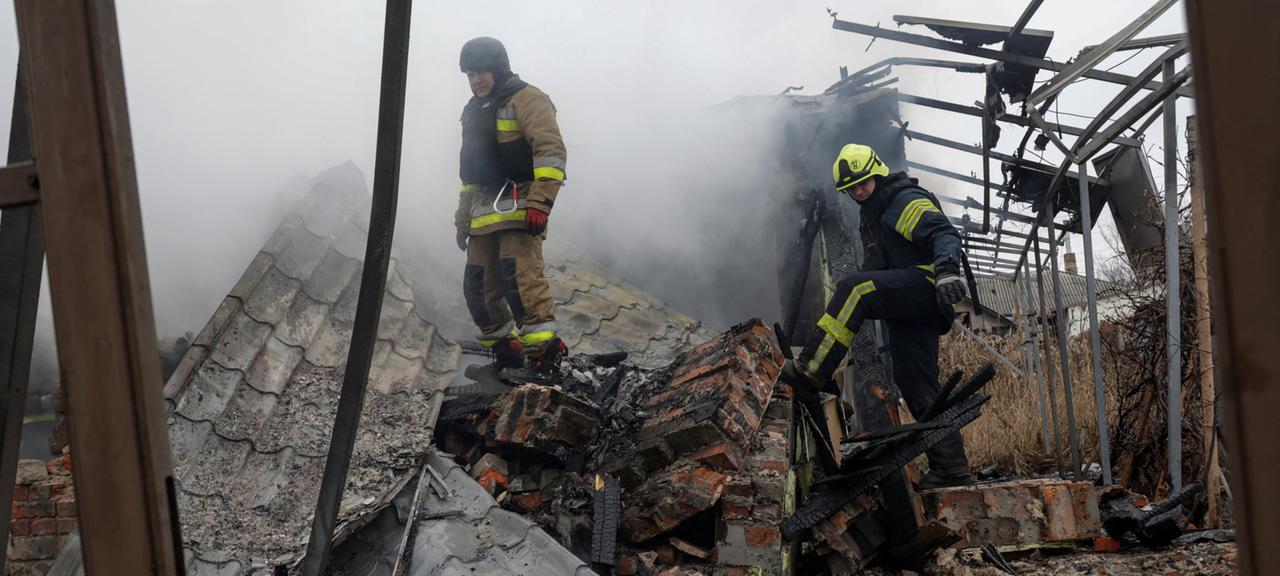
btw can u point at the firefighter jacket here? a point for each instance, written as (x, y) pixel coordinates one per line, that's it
(903, 227)
(512, 158)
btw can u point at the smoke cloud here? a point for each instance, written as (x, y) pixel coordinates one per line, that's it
(236, 104)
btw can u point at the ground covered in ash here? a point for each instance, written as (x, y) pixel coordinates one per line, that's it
(1206, 559)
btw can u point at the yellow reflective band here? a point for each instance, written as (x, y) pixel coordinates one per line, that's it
(549, 172)
(854, 297)
(831, 326)
(490, 219)
(491, 342)
(925, 267)
(846, 312)
(911, 228)
(505, 125)
(910, 215)
(469, 188)
(535, 338)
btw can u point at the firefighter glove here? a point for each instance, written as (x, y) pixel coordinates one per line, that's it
(794, 375)
(951, 289)
(463, 237)
(536, 220)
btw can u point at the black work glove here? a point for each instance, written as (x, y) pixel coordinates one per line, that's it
(794, 375)
(463, 237)
(951, 288)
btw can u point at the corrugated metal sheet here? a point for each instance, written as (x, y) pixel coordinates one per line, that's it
(1004, 298)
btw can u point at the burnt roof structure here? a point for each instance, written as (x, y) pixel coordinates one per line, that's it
(253, 401)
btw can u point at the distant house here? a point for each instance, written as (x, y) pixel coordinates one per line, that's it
(1001, 301)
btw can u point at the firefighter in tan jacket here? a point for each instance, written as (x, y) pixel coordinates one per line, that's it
(512, 167)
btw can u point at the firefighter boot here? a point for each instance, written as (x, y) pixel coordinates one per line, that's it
(948, 465)
(508, 352)
(547, 361)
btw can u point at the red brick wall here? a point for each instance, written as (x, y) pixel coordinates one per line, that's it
(43, 513)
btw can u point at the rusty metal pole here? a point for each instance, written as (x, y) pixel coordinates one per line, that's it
(99, 286)
(21, 263)
(1235, 112)
(1204, 328)
(373, 283)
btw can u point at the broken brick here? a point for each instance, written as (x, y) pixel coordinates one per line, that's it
(527, 501)
(60, 466)
(1106, 544)
(628, 565)
(1019, 512)
(690, 548)
(762, 536)
(669, 498)
(490, 471)
(30, 472)
(543, 419)
(715, 401)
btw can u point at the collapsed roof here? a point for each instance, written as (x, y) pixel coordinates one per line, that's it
(253, 402)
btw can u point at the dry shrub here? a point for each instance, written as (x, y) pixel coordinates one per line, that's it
(1009, 432)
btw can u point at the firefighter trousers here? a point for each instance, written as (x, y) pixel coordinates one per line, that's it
(506, 288)
(906, 300)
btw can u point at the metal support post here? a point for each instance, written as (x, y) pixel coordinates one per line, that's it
(1095, 336)
(1173, 284)
(1048, 358)
(1033, 360)
(373, 283)
(986, 149)
(1064, 360)
(21, 261)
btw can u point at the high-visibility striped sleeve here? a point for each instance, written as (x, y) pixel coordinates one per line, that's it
(548, 167)
(910, 216)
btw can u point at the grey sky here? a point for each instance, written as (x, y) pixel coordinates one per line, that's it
(234, 103)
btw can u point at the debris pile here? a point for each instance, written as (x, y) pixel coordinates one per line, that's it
(703, 441)
(710, 465)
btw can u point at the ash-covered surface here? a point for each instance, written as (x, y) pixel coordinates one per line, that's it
(252, 403)
(461, 530)
(1208, 559)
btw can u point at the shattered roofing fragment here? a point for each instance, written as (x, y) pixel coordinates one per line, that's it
(461, 530)
(253, 402)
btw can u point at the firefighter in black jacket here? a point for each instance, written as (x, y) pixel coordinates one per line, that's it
(911, 280)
